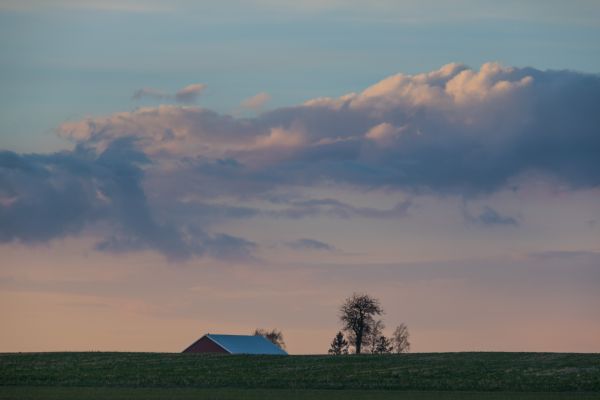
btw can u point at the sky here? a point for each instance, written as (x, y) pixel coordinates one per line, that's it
(169, 169)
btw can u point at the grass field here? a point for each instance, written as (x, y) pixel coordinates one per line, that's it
(37, 393)
(412, 376)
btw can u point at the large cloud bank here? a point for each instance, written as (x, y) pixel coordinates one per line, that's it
(451, 131)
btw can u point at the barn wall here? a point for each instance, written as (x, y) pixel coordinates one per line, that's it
(205, 345)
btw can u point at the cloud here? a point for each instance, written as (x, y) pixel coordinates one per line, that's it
(186, 95)
(45, 196)
(257, 101)
(334, 208)
(61, 194)
(383, 134)
(454, 131)
(566, 255)
(223, 246)
(190, 93)
(310, 244)
(149, 92)
(489, 217)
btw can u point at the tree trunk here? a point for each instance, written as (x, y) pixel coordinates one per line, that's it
(358, 342)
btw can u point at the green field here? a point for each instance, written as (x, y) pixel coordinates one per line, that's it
(412, 376)
(36, 393)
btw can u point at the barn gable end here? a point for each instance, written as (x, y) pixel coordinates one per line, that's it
(205, 345)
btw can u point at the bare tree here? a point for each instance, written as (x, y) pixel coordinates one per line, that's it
(372, 334)
(383, 345)
(339, 345)
(357, 314)
(274, 336)
(400, 339)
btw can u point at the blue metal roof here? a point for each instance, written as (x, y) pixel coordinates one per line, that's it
(245, 344)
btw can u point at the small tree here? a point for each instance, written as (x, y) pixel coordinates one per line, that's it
(274, 336)
(383, 345)
(372, 334)
(339, 345)
(357, 314)
(400, 339)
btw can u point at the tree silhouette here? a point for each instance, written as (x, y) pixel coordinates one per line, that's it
(383, 345)
(372, 334)
(357, 314)
(400, 339)
(274, 336)
(339, 345)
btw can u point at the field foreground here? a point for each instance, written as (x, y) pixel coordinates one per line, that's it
(181, 376)
(53, 393)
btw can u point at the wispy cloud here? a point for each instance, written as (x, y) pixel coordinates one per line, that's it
(334, 208)
(310, 244)
(190, 93)
(151, 93)
(489, 217)
(186, 95)
(256, 102)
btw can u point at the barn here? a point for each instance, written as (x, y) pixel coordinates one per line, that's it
(234, 344)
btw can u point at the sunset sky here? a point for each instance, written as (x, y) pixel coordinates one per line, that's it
(172, 168)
